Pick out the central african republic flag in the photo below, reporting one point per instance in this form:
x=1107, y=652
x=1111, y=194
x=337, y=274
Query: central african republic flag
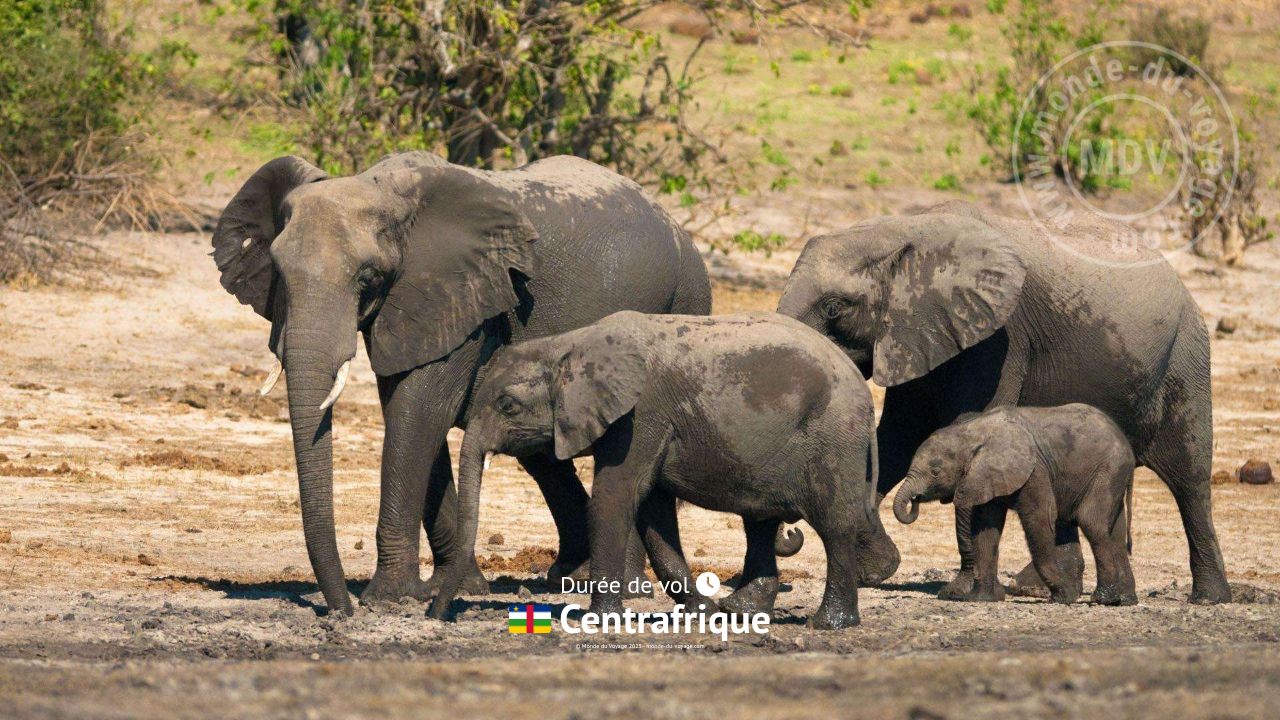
x=531, y=619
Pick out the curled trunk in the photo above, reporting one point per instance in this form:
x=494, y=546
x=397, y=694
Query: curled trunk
x=907, y=496
x=470, y=471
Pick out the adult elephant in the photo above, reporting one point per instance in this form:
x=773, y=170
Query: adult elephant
x=436, y=265
x=957, y=310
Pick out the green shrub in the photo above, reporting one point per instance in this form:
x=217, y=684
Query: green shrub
x=70, y=89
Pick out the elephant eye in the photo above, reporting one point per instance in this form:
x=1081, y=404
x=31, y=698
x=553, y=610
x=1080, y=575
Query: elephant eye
x=507, y=405
x=934, y=470
x=833, y=308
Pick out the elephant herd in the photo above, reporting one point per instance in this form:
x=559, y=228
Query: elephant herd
x=527, y=306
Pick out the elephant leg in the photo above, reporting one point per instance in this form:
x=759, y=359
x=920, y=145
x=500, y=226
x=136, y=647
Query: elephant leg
x=567, y=500
x=988, y=525
x=1039, y=515
x=1027, y=582
x=660, y=531
x=626, y=466
x=961, y=585
x=839, y=607
x=1185, y=468
x=417, y=488
x=1108, y=537
x=759, y=585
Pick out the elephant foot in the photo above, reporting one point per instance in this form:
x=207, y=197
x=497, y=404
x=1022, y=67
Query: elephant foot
x=382, y=590
x=1027, y=582
x=611, y=604
x=567, y=568
x=828, y=618
x=993, y=593
x=1063, y=596
x=756, y=596
x=878, y=560
x=959, y=588
x=1112, y=595
x=1210, y=593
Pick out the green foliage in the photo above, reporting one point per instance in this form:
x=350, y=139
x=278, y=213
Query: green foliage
x=1006, y=101
x=63, y=78
x=484, y=83
x=947, y=182
x=752, y=241
x=875, y=179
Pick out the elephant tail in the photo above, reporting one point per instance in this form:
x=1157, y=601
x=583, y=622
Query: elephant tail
x=788, y=542
x=1128, y=511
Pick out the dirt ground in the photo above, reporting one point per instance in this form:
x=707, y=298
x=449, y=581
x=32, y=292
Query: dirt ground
x=152, y=563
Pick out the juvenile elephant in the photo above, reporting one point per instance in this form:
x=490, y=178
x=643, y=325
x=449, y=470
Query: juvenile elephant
x=1058, y=468
x=436, y=265
x=958, y=310
x=753, y=414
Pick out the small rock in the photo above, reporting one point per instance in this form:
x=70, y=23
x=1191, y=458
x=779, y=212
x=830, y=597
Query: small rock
x=924, y=77
x=360, y=544
x=63, y=469
x=496, y=539
x=194, y=531
x=1256, y=472
x=917, y=18
x=28, y=386
x=1228, y=324
x=315, y=656
x=50, y=617
x=692, y=25
x=1221, y=477
x=69, y=616
x=147, y=560
x=6, y=536
x=4, y=458
x=524, y=593
x=700, y=552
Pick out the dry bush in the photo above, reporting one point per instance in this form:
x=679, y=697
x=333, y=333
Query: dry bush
x=69, y=136
x=1223, y=210
x=1187, y=35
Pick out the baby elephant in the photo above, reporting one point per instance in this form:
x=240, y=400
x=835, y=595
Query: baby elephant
x=754, y=414
x=1059, y=466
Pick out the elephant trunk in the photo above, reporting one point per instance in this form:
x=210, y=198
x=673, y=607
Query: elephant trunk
x=907, y=495
x=471, y=462
x=313, y=360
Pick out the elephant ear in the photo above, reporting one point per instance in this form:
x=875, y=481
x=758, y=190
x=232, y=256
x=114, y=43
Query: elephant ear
x=248, y=226
x=466, y=249
x=596, y=382
x=1000, y=465
x=953, y=281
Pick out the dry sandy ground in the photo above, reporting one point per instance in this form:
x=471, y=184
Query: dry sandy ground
x=152, y=564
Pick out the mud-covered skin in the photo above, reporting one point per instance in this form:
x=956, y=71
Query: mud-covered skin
x=436, y=265
x=959, y=310
x=1063, y=467
x=753, y=414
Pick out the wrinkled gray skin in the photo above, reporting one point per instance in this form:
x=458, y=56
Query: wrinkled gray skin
x=958, y=310
x=753, y=414
x=436, y=265
x=1059, y=468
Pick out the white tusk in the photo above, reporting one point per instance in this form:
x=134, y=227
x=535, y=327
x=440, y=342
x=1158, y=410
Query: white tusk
x=487, y=457
x=339, y=383
x=272, y=378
